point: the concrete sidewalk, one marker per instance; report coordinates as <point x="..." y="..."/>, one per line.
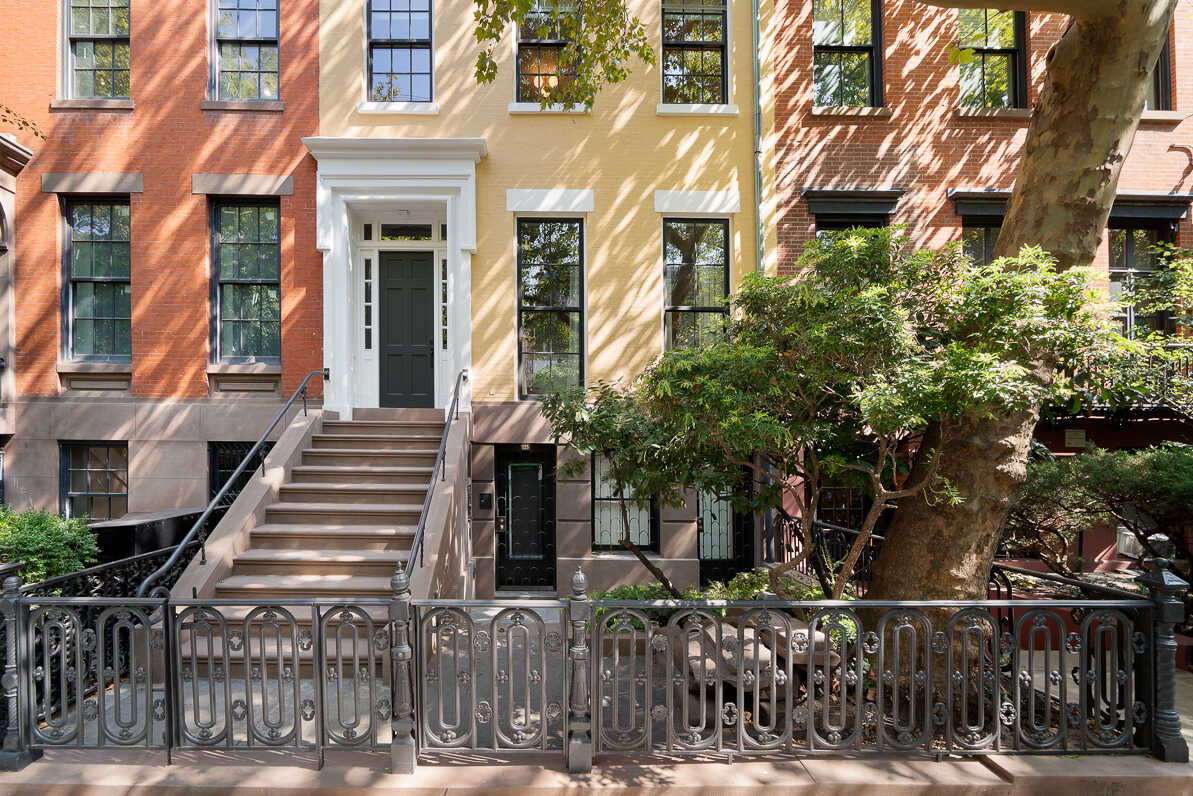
<point x="822" y="776"/>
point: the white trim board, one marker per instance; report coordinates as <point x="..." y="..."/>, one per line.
<point x="550" y="200"/>
<point x="718" y="202"/>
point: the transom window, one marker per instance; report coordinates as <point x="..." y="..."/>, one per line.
<point x="978" y="239"/>
<point x="995" y="74"/>
<point x="694" y="51"/>
<point x="247" y="49"/>
<point x="94" y="480"/>
<point x="696" y="281"/>
<point x="247" y="258"/>
<point x="99" y="294"/>
<point x="400" y="51"/>
<point x="846" y="38"/>
<point x="550" y="305"/>
<point x="99" y="48"/>
<point x="1133" y="258"/>
<point x="608" y="525"/>
<point x="541" y="40"/>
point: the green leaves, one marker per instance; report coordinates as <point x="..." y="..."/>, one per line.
<point x="46" y="544"/>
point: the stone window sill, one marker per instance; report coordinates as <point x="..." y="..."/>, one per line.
<point x="695" y="109"/>
<point x="243" y="369"/>
<point x="91" y="105"/>
<point x="93" y="376"/>
<point x="1162" y="117"/>
<point x="1005" y="114"/>
<point x="859" y="111"/>
<point x="235" y="379"/>
<point x="399" y="108"/>
<point x="85" y="366"/>
<point x="519" y="108"/>
<point x="261" y="106"/>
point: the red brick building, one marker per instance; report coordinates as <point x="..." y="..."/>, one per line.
<point x="164" y="284"/>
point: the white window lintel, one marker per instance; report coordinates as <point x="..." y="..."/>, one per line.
<point x="549" y="200"/>
<point x="697" y="202"/>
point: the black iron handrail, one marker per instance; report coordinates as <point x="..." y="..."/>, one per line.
<point x="453" y="412"/>
<point x="143" y="590"/>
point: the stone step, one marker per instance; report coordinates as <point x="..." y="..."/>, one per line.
<point x="376" y="413"/>
<point x="296" y="561"/>
<point x="377" y="442"/>
<point x="344" y="513"/>
<point x="403" y="494"/>
<point x="256" y="587"/>
<point x="333" y="537"/>
<point x="427" y="428"/>
<point x="353" y="457"/>
<point x="333" y="474"/>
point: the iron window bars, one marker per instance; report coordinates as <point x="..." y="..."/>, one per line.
<point x="608" y="528"/>
<point x="1132" y="259"/>
<point x="246" y="253"/>
<point x="246" y="49"/>
<point x="99" y="47"/>
<point x="847" y="52"/>
<point x="94" y="480"/>
<point x="400" y="51"/>
<point x="222" y="460"/>
<point x="97" y="292"/>
<point x="540" y="51"/>
<point x="694" y="52"/>
<point x="696" y="281"/>
<point x="550" y="305"/>
<point x="996" y="74"/>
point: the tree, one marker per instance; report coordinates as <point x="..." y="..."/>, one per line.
<point x="839" y="370"/>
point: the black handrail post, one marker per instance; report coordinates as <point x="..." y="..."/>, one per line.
<point x="143" y="590"/>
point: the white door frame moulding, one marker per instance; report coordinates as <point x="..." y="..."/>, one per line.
<point x="367" y="176"/>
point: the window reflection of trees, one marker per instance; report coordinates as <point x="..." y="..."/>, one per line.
<point x="550" y="298"/>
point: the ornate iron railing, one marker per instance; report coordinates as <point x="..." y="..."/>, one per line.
<point x="197" y="531"/>
<point x="586" y="678"/>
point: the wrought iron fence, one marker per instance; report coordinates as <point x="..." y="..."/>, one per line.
<point x="585" y="678"/>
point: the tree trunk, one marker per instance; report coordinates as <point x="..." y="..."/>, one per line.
<point x="1081" y="131"/>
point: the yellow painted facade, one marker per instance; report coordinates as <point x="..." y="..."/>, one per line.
<point x="623" y="150"/>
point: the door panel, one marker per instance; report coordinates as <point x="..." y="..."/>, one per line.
<point x="725" y="539"/>
<point x="525" y="522"/>
<point x="407" y="329"/>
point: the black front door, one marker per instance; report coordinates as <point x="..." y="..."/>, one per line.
<point x="407" y="329"/>
<point x="526" y="518"/>
<point x="725" y="539"/>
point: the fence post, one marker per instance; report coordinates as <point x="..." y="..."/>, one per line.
<point x="402" y="748"/>
<point x="13" y="754"/>
<point x="1165" y="588"/>
<point x="579" y="727"/>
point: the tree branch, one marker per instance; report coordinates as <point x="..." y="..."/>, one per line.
<point x="1088" y="9"/>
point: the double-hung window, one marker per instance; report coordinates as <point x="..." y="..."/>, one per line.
<point x="93" y="480"/>
<point x="246" y="45"/>
<point x="99" y="49"/>
<point x="246" y="252"/>
<point x="847" y="52"/>
<point x="400" y="51"/>
<point x="541" y="39"/>
<point x="694" y="52"/>
<point x="978" y="239"/>
<point x="696" y="281"/>
<point x="550" y="305"/>
<point x="1133" y="258"/>
<point x="98" y="291"/>
<point x="995" y="74"/>
<point x="1159" y="97"/>
<point x="608" y="523"/>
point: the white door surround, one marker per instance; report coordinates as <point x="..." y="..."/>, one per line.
<point x="391" y="180"/>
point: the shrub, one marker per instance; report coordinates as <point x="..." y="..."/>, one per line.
<point x="47" y="545"/>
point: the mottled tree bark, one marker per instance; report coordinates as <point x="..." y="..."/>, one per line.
<point x="1081" y="131"/>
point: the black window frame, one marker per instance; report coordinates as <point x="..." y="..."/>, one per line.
<point x="555" y="44"/>
<point x="874" y="50"/>
<point x="839" y="222"/>
<point x="73" y="39"/>
<point x="217" y="282"/>
<point x="69" y="280"/>
<point x="1161" y="87"/>
<point x="1166" y="234"/>
<point x="652" y="509"/>
<point x="66" y="494"/>
<point x="1017" y="83"/>
<point x="578" y="309"/>
<point x="990" y="227"/>
<point x="683" y="45"/>
<point x="215" y="88"/>
<point x="393" y="44"/>
<point x="679" y="309"/>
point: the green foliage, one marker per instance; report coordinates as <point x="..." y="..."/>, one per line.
<point x="755" y="584"/>
<point x="1146" y="491"/>
<point x="46" y="544"/>
<point x="602" y="36"/>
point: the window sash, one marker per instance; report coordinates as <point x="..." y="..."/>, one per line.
<point x="607" y="525"/>
<point x="393" y="44"/>
<point x="872" y="51"/>
<point x="246" y="307"/>
<point x="531" y="361"/>
<point x="1127" y="271"/>
<point x="1160" y="93"/>
<point x="97" y="315"/>
<point x="94" y="484"/>
<point x="1016" y="58"/>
